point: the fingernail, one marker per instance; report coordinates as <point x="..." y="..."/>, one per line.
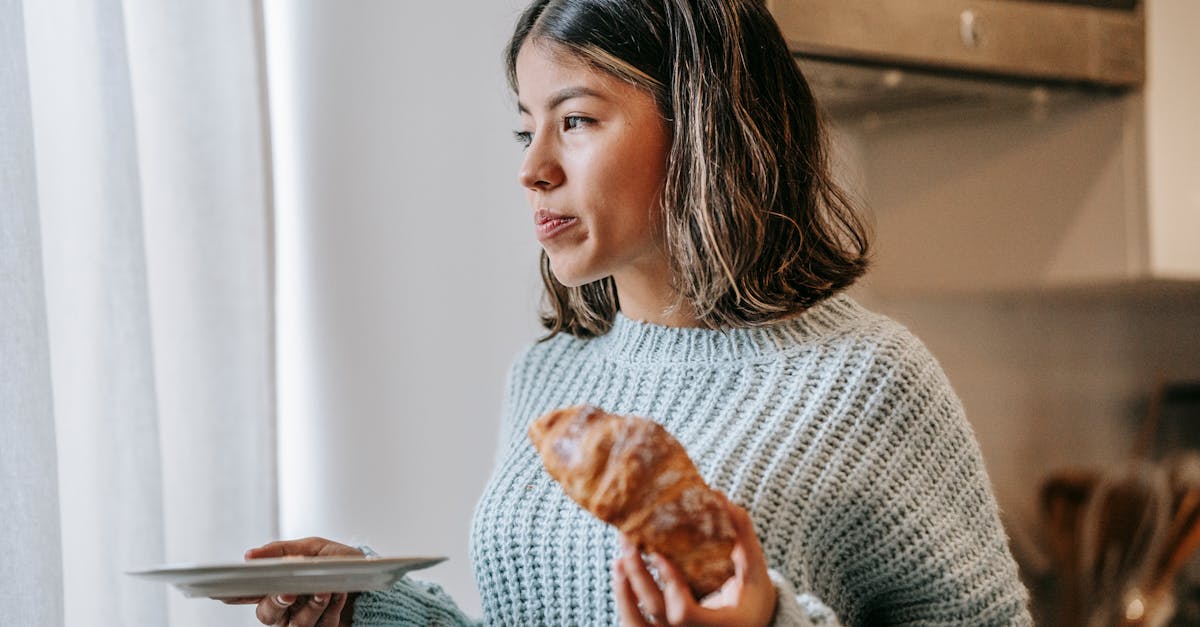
<point x="318" y="599"/>
<point x="283" y="599"/>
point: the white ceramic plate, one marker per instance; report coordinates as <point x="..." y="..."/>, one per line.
<point x="294" y="575"/>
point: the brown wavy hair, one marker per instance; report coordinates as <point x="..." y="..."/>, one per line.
<point x="755" y="227"/>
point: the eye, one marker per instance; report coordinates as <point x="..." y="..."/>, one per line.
<point x="572" y="122"/>
<point x="523" y="137"/>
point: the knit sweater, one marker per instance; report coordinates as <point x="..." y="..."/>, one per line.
<point x="836" y="429"/>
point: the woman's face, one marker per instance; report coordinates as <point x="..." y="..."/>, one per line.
<point x="595" y="161"/>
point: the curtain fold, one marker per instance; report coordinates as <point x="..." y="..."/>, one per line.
<point x="202" y="148"/>
<point x="137" y="337"/>
<point x="110" y="475"/>
<point x="31" y="569"/>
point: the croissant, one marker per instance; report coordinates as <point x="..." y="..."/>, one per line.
<point x="631" y="473"/>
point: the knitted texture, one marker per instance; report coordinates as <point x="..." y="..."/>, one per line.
<point x="836" y="429"/>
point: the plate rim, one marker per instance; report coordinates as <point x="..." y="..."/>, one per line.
<point x="284" y="563"/>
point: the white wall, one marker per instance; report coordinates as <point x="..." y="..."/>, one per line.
<point x="407" y="268"/>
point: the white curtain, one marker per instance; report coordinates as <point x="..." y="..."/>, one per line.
<point x="136" y="344"/>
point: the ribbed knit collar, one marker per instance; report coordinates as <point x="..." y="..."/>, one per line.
<point x="632" y="340"/>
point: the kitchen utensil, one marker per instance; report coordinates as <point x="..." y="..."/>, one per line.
<point x="1124" y="526"/>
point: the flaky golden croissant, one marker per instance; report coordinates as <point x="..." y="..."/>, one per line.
<point x="632" y="474"/>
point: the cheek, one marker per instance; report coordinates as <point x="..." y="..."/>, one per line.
<point x="644" y="172"/>
<point x="642" y="201"/>
<point x="631" y="181"/>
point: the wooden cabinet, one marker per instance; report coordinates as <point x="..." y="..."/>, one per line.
<point x="1020" y="185"/>
<point x="1003" y="37"/>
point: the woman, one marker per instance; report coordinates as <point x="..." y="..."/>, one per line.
<point x="694" y="251"/>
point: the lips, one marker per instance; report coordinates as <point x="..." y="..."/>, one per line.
<point x="549" y="223"/>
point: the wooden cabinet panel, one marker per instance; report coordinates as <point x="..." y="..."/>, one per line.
<point x="1028" y="39"/>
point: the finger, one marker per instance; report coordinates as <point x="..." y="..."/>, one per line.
<point x="749" y="562"/>
<point x="273" y="608"/>
<point x="333" y="613"/>
<point x="682" y="608"/>
<point x="307" y="614"/>
<point x="649" y="596"/>
<point x="283" y="548"/>
<point x="627" y="609"/>
<point x="680" y="605"/>
<point x="237" y="600"/>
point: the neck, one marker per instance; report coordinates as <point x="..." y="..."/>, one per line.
<point x="648" y="297"/>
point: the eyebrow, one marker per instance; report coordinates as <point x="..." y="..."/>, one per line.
<point x="563" y="96"/>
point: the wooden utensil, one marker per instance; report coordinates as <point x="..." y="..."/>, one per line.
<point x="1183" y="534"/>
<point x="1123" y="526"/>
<point x="1063" y="497"/>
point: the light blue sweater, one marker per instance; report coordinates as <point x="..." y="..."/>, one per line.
<point x="836" y="429"/>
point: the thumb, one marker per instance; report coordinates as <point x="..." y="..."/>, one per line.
<point x="749" y="562"/>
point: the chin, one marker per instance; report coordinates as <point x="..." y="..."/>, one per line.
<point x="573" y="276"/>
<point x="570" y="280"/>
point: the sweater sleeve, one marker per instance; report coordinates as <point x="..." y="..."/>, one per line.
<point x="798" y="610"/>
<point x="409" y="602"/>
<point x="931" y="550"/>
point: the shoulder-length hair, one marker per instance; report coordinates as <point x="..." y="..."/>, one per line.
<point x="755" y="227"/>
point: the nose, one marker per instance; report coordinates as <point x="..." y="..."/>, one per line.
<point x="541" y="170"/>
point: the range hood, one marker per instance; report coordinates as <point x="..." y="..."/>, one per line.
<point x="1096" y="43"/>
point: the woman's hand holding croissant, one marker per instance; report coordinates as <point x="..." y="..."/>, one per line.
<point x="746" y="599"/>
